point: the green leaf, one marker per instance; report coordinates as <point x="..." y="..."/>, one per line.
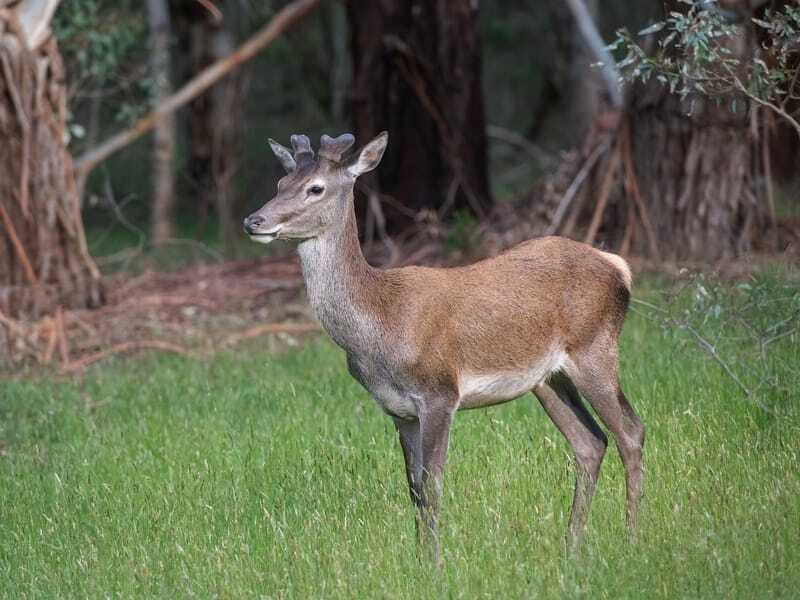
<point x="654" y="28"/>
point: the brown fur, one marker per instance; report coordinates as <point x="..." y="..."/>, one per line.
<point x="503" y="312"/>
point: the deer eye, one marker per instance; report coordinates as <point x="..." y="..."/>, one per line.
<point x="315" y="190"/>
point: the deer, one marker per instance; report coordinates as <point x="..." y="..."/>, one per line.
<point x="544" y="316"/>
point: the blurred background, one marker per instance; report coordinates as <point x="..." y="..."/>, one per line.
<point x="506" y="121"/>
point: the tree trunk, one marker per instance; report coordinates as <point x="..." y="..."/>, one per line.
<point x="698" y="177"/>
<point x="215" y="126"/>
<point x="417" y="74"/>
<point x="699" y="169"/>
<point x="44" y="262"/>
<point x="681" y="179"/>
<point x="227" y="141"/>
<point x="162" y="225"/>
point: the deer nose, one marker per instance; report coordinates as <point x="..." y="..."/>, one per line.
<point x="253" y="222"/>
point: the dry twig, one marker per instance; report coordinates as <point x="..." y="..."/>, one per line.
<point x="271" y="328"/>
<point x="80" y="365"/>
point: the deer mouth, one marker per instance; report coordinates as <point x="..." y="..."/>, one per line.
<point x="266" y="237"/>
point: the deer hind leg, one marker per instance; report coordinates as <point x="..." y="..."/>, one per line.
<point x="561" y="402"/>
<point x="595" y="375"/>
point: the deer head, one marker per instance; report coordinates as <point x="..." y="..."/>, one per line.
<point x="315" y="193"/>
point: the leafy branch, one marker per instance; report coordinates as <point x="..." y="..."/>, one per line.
<point x="696" y="56"/>
<point x="745" y="329"/>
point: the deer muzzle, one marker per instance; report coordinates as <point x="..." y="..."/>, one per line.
<point x="256" y="227"/>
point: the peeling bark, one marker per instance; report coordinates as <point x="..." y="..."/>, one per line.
<point x="44" y="261"/>
<point x="699" y="169"/>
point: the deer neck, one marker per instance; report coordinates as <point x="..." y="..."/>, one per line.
<point x="342" y="287"/>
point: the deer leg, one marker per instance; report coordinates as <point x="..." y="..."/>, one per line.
<point x="435" y="436"/>
<point x="596" y="379"/>
<point x="411" y="442"/>
<point x="561" y="402"/>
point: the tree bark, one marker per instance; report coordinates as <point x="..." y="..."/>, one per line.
<point x="44" y="262"/>
<point x="227" y="141"/>
<point x="417" y="74"/>
<point x="681" y="179"/>
<point x="162" y="224"/>
<point x="698" y="168"/>
<point x="215" y="129"/>
<point x="698" y="177"/>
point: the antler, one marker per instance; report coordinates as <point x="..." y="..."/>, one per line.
<point x="303" y="154"/>
<point x="332" y="149"/>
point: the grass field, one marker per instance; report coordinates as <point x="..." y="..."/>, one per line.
<point x="276" y="476"/>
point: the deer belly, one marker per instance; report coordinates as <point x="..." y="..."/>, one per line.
<point x="478" y="389"/>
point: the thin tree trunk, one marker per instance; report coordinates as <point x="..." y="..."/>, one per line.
<point x="162" y="225"/>
<point x="585" y="15"/>
<point x="417" y="74"/>
<point x="227" y="141"/>
<point x="215" y="130"/>
<point x="591" y="90"/>
<point x="44" y="261"/>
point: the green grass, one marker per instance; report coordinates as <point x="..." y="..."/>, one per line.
<point x="276" y="476"/>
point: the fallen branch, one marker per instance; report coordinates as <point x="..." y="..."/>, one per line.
<point x="573" y="188"/>
<point x="285" y="18"/>
<point x="632" y="187"/>
<point x="268" y="328"/>
<point x="605" y="191"/>
<point x="80" y="365"/>
<point x="591" y="36"/>
<point x="11" y="324"/>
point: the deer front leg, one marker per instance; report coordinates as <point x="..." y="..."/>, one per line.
<point x="435" y="435"/>
<point x="424" y="442"/>
<point x="408" y="430"/>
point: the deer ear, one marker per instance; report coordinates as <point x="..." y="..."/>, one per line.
<point x="370" y="155"/>
<point x="284" y="156"/>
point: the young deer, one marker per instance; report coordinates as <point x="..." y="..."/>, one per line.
<point x="544" y="317"/>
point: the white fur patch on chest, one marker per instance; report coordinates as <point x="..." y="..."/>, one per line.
<point x="484" y="389"/>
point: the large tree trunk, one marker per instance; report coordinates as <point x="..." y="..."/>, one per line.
<point x="44" y="262"/>
<point x="677" y="179"/>
<point x="417" y="74"/>
<point x="699" y="168"/>
<point x="699" y="176"/>
<point x="163" y="210"/>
